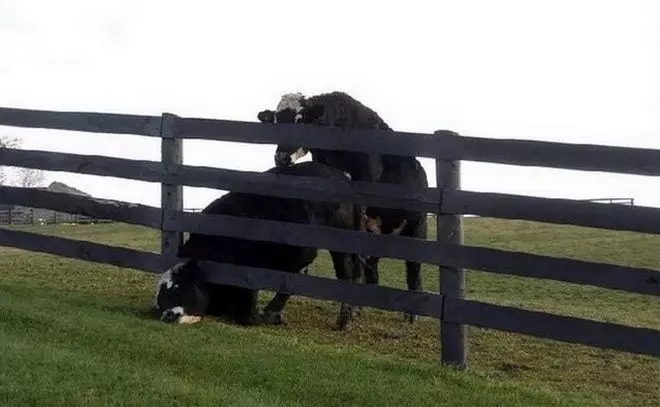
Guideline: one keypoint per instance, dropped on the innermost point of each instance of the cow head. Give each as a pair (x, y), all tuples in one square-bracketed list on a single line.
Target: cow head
[(292, 109), (180, 295)]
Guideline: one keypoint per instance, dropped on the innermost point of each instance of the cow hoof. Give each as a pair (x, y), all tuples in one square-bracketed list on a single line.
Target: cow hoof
[(272, 318), (251, 320), (410, 317), (345, 315)]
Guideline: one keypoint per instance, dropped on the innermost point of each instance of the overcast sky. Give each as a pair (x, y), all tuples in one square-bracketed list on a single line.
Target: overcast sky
[(579, 71)]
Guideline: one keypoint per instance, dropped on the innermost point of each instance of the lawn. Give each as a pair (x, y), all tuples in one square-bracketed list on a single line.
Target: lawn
[(74, 333)]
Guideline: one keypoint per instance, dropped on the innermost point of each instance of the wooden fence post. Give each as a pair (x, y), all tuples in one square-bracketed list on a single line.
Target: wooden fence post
[(453, 337), (171, 195), (10, 220)]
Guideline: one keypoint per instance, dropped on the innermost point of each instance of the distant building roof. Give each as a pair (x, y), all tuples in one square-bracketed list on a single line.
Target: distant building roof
[(64, 188)]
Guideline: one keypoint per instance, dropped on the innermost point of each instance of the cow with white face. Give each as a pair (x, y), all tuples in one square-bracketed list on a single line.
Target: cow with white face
[(289, 110), (184, 295), (183, 305)]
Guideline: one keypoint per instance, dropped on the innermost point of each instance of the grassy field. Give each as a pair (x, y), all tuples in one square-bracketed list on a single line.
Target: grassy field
[(74, 333)]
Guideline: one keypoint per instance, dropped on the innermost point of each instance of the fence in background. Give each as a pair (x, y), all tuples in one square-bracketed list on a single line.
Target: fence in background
[(32, 216), (447, 200)]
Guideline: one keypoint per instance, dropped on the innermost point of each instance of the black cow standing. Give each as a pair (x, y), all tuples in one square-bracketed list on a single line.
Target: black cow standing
[(341, 110), (182, 294)]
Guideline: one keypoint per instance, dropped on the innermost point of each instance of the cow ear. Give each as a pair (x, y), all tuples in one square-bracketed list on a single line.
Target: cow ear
[(313, 113), (266, 116)]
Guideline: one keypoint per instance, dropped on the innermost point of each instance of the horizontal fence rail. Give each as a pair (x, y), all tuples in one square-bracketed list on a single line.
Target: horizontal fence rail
[(556, 327), (92, 207), (442, 145), (559, 211), (312, 188), (631, 279), (76, 249), (81, 121), (387, 298), (330, 138)]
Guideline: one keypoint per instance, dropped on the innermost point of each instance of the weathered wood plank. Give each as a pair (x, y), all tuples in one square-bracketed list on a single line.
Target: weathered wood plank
[(583, 157), (76, 249), (81, 121), (386, 195), (392, 299), (560, 211), (331, 138), (556, 327), (94, 208), (630, 279), (140, 170), (453, 336), (171, 194), (311, 188), (443, 145)]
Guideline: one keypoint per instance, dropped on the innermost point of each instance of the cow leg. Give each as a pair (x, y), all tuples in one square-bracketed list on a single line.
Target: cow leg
[(245, 306), (414, 269), (414, 280), (371, 270), (272, 314), (358, 263), (345, 269)]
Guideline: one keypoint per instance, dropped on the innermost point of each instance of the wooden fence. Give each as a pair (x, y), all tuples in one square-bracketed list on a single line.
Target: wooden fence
[(447, 200), (31, 216)]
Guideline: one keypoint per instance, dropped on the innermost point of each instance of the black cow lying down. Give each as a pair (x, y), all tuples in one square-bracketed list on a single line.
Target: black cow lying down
[(182, 295)]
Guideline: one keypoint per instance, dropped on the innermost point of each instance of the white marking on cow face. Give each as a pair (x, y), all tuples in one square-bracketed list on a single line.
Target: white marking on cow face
[(291, 101), (166, 281), (178, 315), (172, 314), (299, 153), (348, 175), (177, 311)]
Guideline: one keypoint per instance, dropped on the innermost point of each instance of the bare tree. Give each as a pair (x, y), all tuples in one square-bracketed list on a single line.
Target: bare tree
[(30, 178), (7, 142)]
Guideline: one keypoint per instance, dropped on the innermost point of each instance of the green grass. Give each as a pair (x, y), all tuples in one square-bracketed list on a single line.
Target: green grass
[(74, 333)]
